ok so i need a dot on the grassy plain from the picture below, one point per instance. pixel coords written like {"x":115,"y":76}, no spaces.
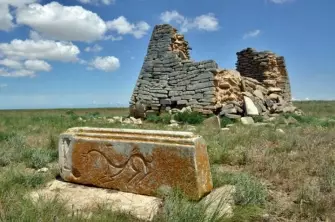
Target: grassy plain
{"x":286,"y":176}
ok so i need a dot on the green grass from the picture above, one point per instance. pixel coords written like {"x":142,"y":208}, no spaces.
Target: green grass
{"x":290,"y":176}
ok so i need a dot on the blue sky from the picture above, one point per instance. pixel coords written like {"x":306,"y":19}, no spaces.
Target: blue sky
{"x":88,"y":53}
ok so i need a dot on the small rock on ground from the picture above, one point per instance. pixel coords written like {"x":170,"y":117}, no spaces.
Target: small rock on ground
{"x":213,"y":123}
{"x":219,"y":202}
{"x":280,"y":131}
{"x":247,"y":120}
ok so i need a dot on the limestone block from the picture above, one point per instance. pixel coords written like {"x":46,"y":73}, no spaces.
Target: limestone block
{"x":136,"y":161}
{"x":84,"y":200}
{"x":250,"y":107}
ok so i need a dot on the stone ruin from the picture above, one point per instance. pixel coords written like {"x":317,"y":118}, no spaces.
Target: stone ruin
{"x":169,"y":81}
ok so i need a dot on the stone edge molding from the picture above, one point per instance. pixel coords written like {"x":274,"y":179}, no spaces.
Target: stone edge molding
{"x":177,"y":159}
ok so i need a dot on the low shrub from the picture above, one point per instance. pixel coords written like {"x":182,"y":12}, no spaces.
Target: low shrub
{"x":249,"y":191}
{"x":189,"y":117}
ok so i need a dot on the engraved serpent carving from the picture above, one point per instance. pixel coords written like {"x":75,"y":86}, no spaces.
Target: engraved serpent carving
{"x":109,"y":170}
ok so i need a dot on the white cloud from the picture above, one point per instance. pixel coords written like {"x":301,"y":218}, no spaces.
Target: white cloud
{"x":97,"y":2}
{"x":16,"y":73}
{"x":170,"y":16}
{"x":123,"y":27}
{"x":95,"y":48}
{"x":6,"y":19}
{"x":35,"y":35}
{"x":41,"y":49}
{"x":113,"y":38}
{"x":280,"y":1}
{"x":252,"y":34}
{"x":10,"y":63}
{"x":207,"y":22}
{"x":69,"y":23}
{"x":132,"y":58}
{"x":37,"y":65}
{"x":107,"y":64}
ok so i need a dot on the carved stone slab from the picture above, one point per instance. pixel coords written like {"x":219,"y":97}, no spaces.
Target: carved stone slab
{"x":136,"y":161}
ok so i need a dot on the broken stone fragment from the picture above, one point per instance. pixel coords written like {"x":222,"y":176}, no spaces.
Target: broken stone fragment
{"x":250,"y":108}
{"x":212,"y":123}
{"x":247,"y":120}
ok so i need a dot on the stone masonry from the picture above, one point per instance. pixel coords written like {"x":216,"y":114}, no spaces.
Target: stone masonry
{"x":169,"y":79}
{"x":266,"y":67}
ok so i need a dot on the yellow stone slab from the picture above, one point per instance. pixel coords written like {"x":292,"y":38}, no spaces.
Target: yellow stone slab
{"x":136,"y":161}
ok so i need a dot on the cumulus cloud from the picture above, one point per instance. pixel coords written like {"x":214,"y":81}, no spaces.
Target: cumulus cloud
{"x":35,"y":35}
{"x":97,"y":2}
{"x":94,"y":48}
{"x":252,"y":34}
{"x":107,"y":64}
{"x":37,"y":65}
{"x":68,"y":23}
{"x":6,"y":19}
{"x":112,"y":38}
{"x":207,"y":22}
{"x":40,"y":49}
{"x":10,"y":63}
{"x":16,"y":73}
{"x":123,"y":27}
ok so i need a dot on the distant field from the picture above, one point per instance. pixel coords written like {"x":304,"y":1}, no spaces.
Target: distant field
{"x":286,"y":176}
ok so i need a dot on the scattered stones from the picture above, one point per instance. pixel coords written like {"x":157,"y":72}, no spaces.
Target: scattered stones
{"x":92,"y":156}
{"x":118,"y":118}
{"x":43,"y":170}
{"x":259,"y":94}
{"x":280,"y":131}
{"x":247,"y":120}
{"x":233,"y":116}
{"x":291,"y":120}
{"x":174,"y":125}
{"x":111,"y":120}
{"x":87,"y":199}
{"x":251,"y":109}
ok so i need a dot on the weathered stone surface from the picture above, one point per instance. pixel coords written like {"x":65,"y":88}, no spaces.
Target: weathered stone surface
{"x":83,"y":199}
{"x":219,"y":203}
{"x":137,"y":161}
{"x":232,"y":116}
{"x":213,"y":123}
{"x":250,"y":107}
{"x":247,"y":120}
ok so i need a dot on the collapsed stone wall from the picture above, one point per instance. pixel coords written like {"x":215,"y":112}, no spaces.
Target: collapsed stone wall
{"x":266,"y":67}
{"x":169,"y":79}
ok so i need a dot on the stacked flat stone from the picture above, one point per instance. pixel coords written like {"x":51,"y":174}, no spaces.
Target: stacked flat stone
{"x":169,"y":80}
{"x":266,"y":67}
